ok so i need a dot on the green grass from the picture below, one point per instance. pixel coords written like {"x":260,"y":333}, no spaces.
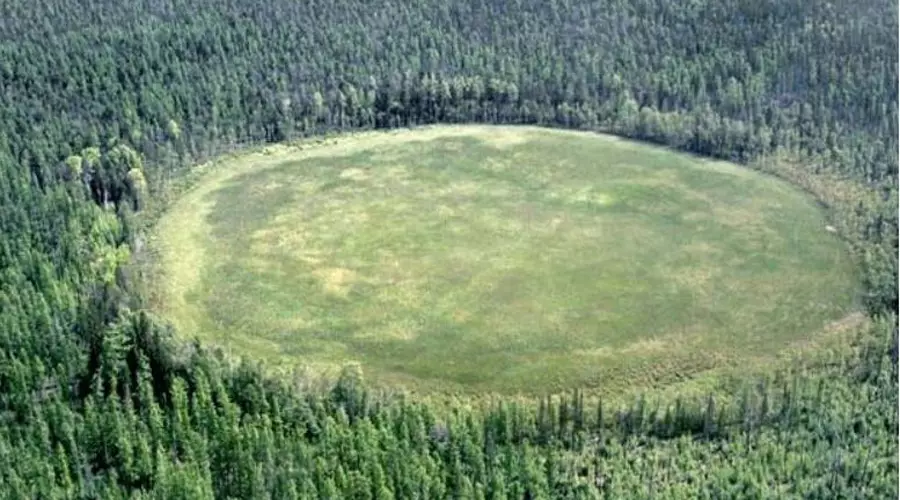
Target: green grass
{"x":500,"y":259}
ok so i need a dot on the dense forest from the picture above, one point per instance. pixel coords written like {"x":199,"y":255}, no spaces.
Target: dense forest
{"x":104,"y":105}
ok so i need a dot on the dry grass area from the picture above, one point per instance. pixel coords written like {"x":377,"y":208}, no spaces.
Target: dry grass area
{"x":509,"y":259}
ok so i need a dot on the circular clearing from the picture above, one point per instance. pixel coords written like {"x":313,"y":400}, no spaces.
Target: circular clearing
{"x":501,"y":259}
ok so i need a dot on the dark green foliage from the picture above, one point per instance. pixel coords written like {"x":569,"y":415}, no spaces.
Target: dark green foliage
{"x":103,"y":103}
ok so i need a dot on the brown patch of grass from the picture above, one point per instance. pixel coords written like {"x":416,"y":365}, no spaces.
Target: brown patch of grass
{"x":695,"y":278}
{"x":461,"y":315}
{"x":507,"y":138}
{"x":833,"y":331}
{"x":356,"y":174}
{"x":336,"y":280}
{"x":646,"y":346}
{"x":597,"y":352}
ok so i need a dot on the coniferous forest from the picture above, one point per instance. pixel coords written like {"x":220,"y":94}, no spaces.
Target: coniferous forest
{"x":105,"y":105}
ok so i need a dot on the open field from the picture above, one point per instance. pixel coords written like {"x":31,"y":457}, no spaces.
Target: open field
{"x":500,"y":259}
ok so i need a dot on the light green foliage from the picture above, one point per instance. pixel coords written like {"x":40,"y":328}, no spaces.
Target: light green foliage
{"x":91,"y":157}
{"x":73,"y":163}
{"x":137,"y":185}
{"x":173,"y":130}
{"x":124,"y":158}
{"x":508,"y":259}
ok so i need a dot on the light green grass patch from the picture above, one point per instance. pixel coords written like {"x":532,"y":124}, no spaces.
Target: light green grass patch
{"x":505,"y":259}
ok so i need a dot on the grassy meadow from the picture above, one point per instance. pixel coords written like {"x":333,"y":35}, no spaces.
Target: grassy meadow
{"x":506,"y":259}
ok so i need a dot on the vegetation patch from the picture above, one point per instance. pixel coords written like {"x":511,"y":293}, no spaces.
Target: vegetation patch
{"x":504,"y":259}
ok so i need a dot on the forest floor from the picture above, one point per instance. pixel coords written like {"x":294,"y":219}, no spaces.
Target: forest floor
{"x":499,"y":259}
